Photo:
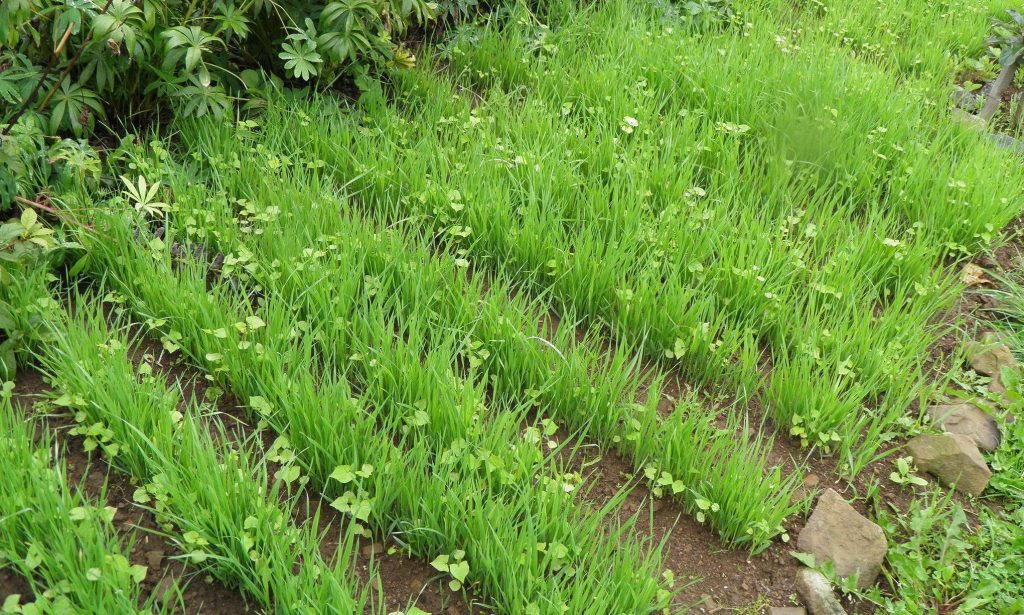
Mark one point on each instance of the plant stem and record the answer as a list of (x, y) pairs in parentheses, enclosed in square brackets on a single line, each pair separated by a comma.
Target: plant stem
[(30, 203)]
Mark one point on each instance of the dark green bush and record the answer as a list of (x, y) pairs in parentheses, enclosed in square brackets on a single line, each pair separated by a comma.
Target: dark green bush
[(118, 58)]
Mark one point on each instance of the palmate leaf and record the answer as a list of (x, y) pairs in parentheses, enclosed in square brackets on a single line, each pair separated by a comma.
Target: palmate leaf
[(71, 16), (20, 77), (301, 58), (8, 187), (232, 22), (349, 15), (121, 23), (101, 71), (1011, 53), (8, 363), (74, 106), (9, 91), (336, 46), (190, 43), (201, 99)]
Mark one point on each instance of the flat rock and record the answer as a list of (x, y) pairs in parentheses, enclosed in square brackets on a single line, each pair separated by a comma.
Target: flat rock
[(989, 356), (967, 119), (166, 590), (839, 534), (953, 459), (995, 385), (816, 593), (154, 560), (973, 275), (967, 420), (1007, 142), (787, 610)]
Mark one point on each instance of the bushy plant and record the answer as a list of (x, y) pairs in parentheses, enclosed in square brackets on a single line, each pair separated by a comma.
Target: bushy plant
[(30, 163), (71, 63)]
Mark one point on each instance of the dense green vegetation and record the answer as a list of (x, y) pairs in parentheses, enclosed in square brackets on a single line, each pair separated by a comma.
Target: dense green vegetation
[(235, 524), (713, 238), (63, 545)]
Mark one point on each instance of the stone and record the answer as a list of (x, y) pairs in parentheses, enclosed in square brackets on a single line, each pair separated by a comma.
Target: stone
[(995, 385), (811, 480), (154, 560), (968, 101), (989, 356), (953, 459), (1006, 142), (967, 119), (973, 275), (371, 549), (967, 420), (787, 610), (166, 590), (708, 604), (839, 534), (816, 593)]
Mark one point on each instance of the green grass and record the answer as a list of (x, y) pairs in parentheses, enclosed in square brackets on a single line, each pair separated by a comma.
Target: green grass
[(516, 156), (940, 556), (62, 544), (215, 499), (443, 313), (832, 281), (485, 488), (913, 38), (771, 208)]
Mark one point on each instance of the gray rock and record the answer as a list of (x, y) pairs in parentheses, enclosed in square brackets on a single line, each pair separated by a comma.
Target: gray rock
[(167, 590), (996, 386), (839, 534), (968, 420), (968, 119), (989, 356), (816, 593), (787, 610), (968, 101), (953, 459), (1007, 142)]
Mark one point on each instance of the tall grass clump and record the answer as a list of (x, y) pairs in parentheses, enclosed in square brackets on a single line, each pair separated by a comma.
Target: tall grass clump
[(62, 544), (483, 497), (445, 315), (216, 499), (586, 169)]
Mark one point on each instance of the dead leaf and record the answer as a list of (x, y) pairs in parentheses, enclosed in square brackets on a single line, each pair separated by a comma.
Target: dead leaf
[(973, 275)]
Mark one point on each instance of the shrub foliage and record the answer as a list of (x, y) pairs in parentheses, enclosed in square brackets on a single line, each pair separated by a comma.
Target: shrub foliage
[(126, 57)]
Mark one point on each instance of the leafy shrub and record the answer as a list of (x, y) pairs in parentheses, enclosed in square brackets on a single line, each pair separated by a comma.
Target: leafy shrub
[(24, 302), (119, 57), (457, 10), (28, 165), (700, 14)]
